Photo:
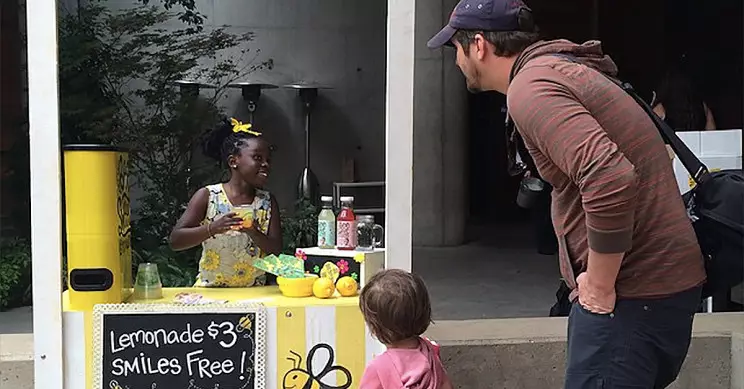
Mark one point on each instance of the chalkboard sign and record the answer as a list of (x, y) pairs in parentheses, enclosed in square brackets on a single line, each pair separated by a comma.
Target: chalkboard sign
[(153, 346)]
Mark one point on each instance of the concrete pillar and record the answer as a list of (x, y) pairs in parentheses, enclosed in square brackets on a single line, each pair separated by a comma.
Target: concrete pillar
[(439, 135)]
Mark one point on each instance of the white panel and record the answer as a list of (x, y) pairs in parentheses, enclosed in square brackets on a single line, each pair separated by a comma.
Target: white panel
[(399, 133), (721, 143), (46, 220), (73, 333), (320, 327), (271, 353)]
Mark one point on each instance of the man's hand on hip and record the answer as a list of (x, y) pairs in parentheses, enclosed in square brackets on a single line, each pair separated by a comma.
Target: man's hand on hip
[(593, 297)]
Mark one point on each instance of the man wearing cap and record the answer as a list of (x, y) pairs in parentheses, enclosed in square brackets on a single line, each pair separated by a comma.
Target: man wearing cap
[(620, 221)]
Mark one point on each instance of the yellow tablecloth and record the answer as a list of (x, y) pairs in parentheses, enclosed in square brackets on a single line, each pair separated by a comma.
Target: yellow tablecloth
[(267, 295)]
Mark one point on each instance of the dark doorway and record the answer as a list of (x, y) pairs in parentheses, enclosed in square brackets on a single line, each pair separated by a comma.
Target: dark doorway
[(642, 38), (492, 190), (14, 174)]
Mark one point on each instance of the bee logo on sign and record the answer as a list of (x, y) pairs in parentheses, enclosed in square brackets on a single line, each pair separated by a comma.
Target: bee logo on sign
[(307, 377)]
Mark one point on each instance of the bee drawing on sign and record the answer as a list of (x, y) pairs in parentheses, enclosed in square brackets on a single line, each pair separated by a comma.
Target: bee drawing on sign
[(308, 378), (244, 324), (115, 385)]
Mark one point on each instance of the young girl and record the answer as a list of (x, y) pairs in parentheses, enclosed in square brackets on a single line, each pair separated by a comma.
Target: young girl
[(396, 307), (228, 249)]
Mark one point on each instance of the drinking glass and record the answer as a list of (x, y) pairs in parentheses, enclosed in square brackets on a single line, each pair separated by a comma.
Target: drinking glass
[(148, 285), (245, 212)]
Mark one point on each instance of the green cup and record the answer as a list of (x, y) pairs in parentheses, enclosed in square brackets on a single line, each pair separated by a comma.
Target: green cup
[(148, 285)]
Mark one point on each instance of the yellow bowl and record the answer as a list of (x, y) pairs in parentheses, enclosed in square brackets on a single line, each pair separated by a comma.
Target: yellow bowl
[(297, 287)]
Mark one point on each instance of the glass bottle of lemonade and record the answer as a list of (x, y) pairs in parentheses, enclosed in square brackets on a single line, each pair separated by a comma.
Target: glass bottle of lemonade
[(327, 224), (346, 231)]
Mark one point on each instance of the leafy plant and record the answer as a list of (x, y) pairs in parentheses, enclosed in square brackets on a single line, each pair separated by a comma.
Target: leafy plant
[(301, 228), (15, 273), (118, 74), (190, 15)]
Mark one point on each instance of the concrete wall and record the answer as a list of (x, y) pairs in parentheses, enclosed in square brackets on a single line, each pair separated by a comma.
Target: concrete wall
[(439, 135), (541, 365), (342, 44), (332, 42), (530, 353), (506, 353)]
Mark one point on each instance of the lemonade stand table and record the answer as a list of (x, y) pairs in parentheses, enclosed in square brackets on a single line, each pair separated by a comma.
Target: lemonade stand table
[(156, 344), (240, 339)]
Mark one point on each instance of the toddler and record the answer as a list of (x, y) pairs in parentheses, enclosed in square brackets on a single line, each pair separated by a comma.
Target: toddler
[(396, 307)]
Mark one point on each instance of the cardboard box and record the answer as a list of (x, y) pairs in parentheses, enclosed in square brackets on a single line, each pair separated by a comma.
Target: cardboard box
[(718, 150)]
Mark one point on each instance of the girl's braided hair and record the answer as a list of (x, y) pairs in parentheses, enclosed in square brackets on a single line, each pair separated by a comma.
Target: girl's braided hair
[(227, 138)]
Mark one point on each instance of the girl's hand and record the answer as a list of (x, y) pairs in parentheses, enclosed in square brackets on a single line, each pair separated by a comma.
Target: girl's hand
[(224, 223)]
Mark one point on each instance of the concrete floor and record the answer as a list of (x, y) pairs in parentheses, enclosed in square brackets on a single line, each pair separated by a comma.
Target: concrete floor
[(503, 277), (16, 321), (498, 275)]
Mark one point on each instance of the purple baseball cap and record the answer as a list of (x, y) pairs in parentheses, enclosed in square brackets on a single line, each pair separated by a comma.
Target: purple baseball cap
[(485, 15)]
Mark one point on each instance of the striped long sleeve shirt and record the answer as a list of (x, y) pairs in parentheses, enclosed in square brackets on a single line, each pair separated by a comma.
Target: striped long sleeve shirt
[(614, 190)]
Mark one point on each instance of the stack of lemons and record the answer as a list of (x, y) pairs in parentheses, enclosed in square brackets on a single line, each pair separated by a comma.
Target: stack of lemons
[(328, 283)]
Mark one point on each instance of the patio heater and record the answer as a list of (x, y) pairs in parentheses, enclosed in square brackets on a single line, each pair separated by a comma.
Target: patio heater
[(308, 184), (251, 92), (189, 90)]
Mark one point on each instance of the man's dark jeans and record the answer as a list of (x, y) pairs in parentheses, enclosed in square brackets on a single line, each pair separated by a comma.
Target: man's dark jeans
[(641, 345)]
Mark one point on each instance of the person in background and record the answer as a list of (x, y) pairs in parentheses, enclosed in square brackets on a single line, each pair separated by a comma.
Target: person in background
[(627, 249), (397, 310), (678, 103), (228, 247)]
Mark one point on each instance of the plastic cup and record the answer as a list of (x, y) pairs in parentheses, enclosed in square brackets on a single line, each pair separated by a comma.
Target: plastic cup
[(245, 212), (147, 285)]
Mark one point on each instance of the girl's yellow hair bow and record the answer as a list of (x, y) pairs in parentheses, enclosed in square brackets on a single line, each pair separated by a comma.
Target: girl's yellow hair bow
[(238, 126)]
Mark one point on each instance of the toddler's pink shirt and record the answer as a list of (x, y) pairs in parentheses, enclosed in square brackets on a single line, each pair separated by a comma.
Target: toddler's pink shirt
[(419, 368)]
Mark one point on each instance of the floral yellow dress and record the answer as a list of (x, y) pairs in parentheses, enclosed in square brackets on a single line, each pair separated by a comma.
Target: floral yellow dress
[(227, 259)]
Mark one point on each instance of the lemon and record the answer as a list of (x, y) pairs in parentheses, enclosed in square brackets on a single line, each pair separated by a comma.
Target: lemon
[(347, 286), (323, 288)]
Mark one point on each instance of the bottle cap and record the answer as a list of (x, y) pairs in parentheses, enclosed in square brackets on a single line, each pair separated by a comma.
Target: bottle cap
[(347, 199), (326, 199)]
